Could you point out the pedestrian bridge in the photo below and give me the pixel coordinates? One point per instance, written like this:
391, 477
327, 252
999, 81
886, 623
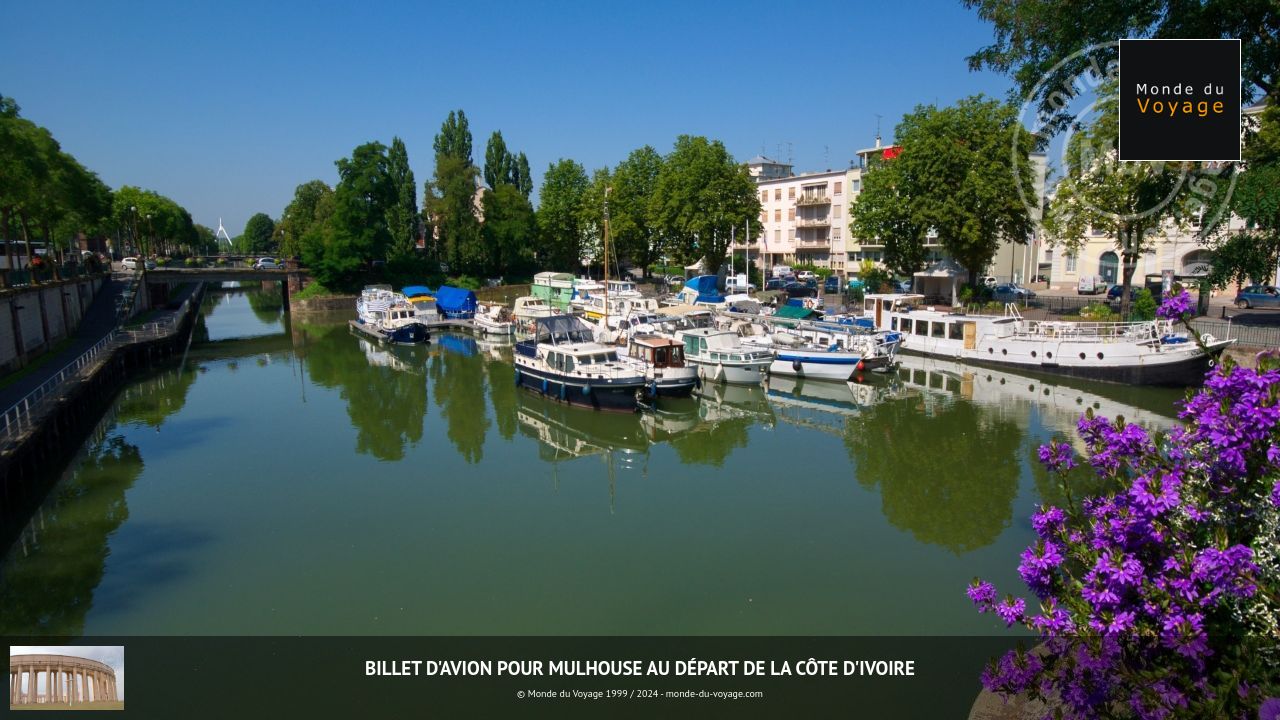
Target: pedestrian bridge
290, 280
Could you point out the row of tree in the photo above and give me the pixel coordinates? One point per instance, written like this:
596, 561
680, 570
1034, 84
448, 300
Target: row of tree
686, 205
47, 196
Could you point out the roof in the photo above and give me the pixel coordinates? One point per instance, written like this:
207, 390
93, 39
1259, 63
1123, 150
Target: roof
762, 160
415, 290
558, 329
452, 299
653, 340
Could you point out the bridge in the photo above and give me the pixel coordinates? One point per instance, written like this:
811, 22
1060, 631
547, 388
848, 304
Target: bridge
290, 279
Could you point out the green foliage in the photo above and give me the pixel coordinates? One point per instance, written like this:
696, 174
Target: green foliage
312, 290
509, 231
499, 165
454, 139
311, 206
591, 220
560, 216
402, 214
523, 179
356, 232
1144, 306
258, 235
150, 222
1096, 311
875, 279
1037, 42
635, 237
1244, 258
701, 193
957, 176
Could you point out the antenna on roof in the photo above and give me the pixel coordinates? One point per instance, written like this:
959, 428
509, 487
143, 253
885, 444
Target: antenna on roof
826, 157
877, 129
789, 160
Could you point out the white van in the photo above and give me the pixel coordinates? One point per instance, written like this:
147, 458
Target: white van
1091, 285
781, 270
738, 284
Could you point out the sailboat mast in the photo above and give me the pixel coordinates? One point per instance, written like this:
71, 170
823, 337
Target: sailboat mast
606, 258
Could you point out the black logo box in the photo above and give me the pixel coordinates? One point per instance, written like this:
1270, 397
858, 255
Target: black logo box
1186, 68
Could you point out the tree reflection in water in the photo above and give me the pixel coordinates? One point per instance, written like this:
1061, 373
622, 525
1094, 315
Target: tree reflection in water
384, 388
947, 473
458, 375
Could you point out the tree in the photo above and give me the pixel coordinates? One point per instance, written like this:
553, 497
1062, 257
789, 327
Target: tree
258, 235
302, 214
1040, 39
454, 139
560, 216
958, 176
1254, 254
509, 230
356, 231
402, 215
1131, 201
521, 177
700, 194
450, 200
499, 165
634, 182
591, 220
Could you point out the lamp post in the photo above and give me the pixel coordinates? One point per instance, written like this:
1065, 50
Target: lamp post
133, 241
151, 236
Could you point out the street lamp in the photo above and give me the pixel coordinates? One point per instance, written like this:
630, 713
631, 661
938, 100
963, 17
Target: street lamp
134, 240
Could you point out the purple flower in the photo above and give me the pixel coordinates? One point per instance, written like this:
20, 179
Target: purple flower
1275, 494
1176, 307
982, 593
1270, 709
1012, 610
1058, 457
1048, 521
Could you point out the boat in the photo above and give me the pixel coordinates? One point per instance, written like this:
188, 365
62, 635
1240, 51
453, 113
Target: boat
553, 288
494, 319
662, 361
720, 356
424, 302
1148, 352
528, 309
701, 290
388, 316
455, 303
564, 362
828, 351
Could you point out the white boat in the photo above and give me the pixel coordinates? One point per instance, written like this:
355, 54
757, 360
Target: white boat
1147, 352
388, 316
563, 362
554, 288
720, 356
584, 288
528, 309
494, 319
662, 360
831, 355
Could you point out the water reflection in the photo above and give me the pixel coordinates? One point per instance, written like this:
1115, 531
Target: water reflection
384, 388
458, 375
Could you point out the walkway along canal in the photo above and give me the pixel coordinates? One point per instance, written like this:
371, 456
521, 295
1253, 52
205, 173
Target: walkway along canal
291, 478
39, 428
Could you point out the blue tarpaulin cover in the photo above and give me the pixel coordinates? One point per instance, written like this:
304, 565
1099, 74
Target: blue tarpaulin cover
706, 286
455, 302
416, 290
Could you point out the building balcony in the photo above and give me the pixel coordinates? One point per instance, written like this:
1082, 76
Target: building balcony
813, 222
805, 200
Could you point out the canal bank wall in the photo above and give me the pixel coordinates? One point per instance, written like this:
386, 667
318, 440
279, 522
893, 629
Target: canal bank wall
36, 440
34, 319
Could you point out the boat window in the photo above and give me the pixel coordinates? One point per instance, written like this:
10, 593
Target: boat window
601, 357
568, 363
939, 329
611, 357
922, 327
955, 331
893, 323
659, 357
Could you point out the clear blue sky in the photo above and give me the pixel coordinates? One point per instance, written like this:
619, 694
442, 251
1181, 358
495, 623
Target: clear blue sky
227, 106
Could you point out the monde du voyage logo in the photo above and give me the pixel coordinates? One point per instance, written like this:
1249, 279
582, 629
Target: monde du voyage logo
1180, 100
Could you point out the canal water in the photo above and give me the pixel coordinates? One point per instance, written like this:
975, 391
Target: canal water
290, 478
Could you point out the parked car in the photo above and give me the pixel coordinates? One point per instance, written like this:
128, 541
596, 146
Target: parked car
1008, 292
129, 263
1258, 296
804, 275
1090, 285
800, 290
1117, 290
677, 280
738, 284
266, 263
987, 281
831, 285
775, 284
902, 286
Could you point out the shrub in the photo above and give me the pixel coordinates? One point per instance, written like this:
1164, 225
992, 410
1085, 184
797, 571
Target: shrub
1160, 595
1095, 311
190, 262
1143, 306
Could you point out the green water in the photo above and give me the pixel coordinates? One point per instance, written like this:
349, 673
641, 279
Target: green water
289, 478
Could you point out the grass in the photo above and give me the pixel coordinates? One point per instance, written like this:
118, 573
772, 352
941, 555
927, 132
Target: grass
36, 364
312, 290
117, 705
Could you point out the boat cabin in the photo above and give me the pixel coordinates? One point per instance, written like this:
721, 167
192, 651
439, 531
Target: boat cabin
586, 357
554, 288
658, 351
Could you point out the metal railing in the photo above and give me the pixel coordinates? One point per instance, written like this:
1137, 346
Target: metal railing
18, 417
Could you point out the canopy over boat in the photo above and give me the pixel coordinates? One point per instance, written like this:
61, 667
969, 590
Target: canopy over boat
452, 300
410, 291
791, 312
559, 329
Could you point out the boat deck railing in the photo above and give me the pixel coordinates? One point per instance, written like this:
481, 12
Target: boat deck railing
1096, 331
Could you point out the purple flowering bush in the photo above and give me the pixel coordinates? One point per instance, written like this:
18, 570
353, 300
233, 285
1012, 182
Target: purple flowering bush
1160, 596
